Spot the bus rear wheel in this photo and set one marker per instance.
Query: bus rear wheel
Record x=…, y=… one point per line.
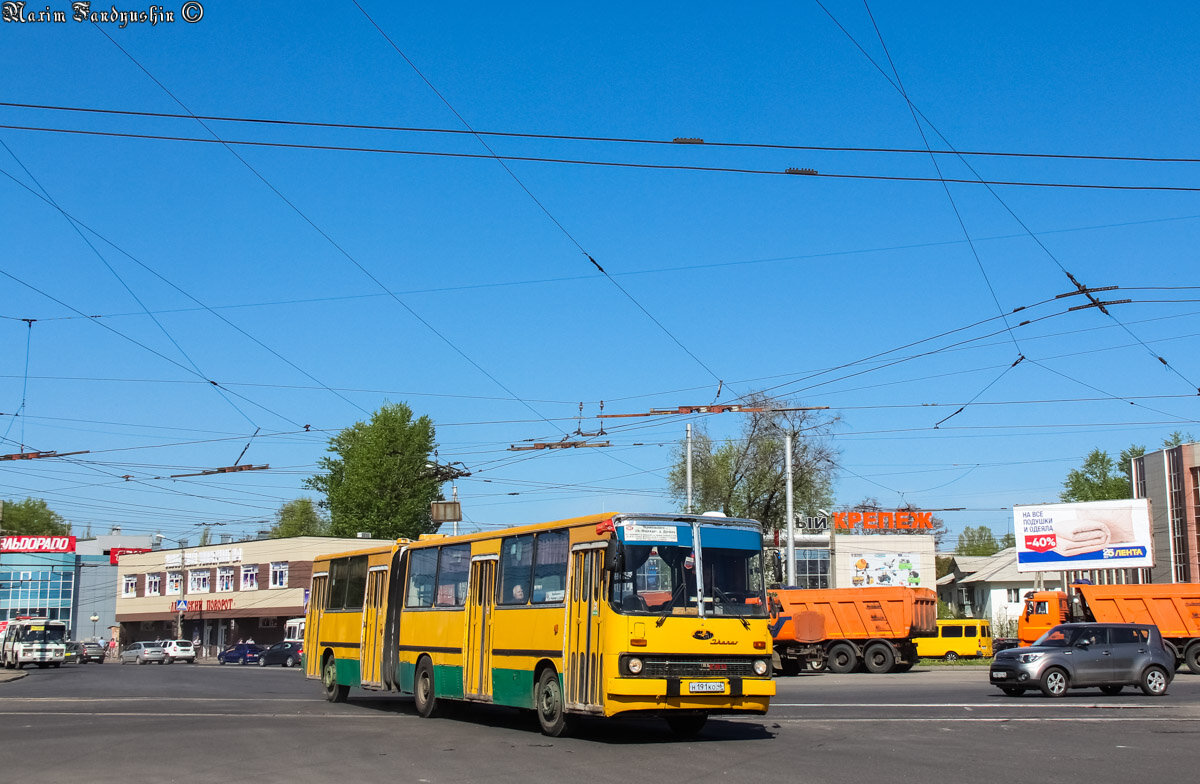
x=548, y=704
x=687, y=725
x=424, y=695
x=334, y=691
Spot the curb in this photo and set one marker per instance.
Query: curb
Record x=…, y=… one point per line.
x=5, y=677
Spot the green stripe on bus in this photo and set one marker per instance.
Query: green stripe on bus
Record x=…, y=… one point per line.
x=513, y=687
x=348, y=672
x=448, y=680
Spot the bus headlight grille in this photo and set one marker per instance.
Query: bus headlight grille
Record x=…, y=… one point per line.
x=698, y=667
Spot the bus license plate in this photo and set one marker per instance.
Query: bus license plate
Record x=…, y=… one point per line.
x=706, y=687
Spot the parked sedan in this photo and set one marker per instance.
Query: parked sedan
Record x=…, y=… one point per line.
x=91, y=652
x=285, y=653
x=143, y=653
x=1109, y=656
x=242, y=653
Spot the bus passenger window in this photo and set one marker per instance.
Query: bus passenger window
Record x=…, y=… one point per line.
x=422, y=567
x=516, y=568
x=550, y=567
x=452, y=575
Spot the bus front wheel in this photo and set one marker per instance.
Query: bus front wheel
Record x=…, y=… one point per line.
x=334, y=691
x=548, y=703
x=424, y=694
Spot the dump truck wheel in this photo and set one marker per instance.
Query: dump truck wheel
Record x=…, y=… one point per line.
x=879, y=657
x=1192, y=657
x=842, y=658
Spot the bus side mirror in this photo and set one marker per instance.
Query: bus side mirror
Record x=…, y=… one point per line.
x=614, y=556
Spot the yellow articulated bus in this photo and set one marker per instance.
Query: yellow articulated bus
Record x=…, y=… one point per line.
x=608, y=615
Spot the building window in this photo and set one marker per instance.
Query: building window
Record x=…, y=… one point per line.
x=224, y=579
x=1014, y=595
x=1175, y=515
x=268, y=623
x=174, y=583
x=812, y=568
x=279, y=574
x=250, y=577
x=153, y=584
x=129, y=585
x=198, y=581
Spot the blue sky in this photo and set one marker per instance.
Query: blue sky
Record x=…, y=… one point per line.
x=497, y=325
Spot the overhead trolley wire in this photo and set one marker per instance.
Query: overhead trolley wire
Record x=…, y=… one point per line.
x=501, y=160
x=603, y=139
x=957, y=214
x=1081, y=288
x=613, y=164
x=325, y=235
x=125, y=285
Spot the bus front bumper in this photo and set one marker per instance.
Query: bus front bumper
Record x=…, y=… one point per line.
x=736, y=695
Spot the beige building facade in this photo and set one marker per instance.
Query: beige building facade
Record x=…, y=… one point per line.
x=221, y=594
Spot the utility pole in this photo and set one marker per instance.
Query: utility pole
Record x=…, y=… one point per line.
x=791, y=526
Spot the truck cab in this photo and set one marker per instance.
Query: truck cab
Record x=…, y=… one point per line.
x=1043, y=611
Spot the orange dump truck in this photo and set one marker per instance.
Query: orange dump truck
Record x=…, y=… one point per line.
x=839, y=628
x=1173, y=608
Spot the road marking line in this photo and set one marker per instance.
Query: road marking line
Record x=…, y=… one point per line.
x=1015, y=706
x=162, y=699
x=993, y=720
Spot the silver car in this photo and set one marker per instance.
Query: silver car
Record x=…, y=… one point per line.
x=143, y=653
x=1110, y=656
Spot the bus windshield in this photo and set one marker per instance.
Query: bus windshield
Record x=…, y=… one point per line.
x=661, y=579
x=40, y=633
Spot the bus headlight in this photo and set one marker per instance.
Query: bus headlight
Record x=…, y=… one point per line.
x=760, y=667
x=634, y=665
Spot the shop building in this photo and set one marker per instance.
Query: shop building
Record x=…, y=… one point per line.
x=64, y=578
x=865, y=549
x=223, y=593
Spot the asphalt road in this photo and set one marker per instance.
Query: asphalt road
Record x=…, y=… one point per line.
x=112, y=723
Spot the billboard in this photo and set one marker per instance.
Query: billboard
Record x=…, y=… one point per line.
x=37, y=544
x=873, y=560
x=1090, y=535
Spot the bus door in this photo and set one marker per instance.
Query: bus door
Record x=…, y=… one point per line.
x=372, y=629
x=583, y=678
x=480, y=606
x=312, y=631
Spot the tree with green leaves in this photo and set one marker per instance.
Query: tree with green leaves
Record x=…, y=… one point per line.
x=1177, y=438
x=1009, y=539
x=378, y=479
x=299, y=518
x=977, y=541
x=745, y=476
x=31, y=517
x=1098, y=479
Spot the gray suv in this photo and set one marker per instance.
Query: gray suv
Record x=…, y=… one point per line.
x=1081, y=655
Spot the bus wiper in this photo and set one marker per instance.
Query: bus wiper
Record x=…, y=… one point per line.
x=679, y=592
x=725, y=600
